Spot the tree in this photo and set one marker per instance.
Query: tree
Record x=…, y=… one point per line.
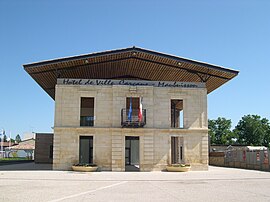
x=266, y=139
x=253, y=130
x=220, y=131
x=18, y=138
x=5, y=138
x=12, y=140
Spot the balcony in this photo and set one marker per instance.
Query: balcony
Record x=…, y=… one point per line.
x=87, y=121
x=132, y=121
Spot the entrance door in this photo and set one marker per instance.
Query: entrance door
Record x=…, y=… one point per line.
x=132, y=154
x=86, y=149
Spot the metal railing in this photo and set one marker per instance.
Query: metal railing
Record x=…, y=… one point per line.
x=132, y=119
x=87, y=121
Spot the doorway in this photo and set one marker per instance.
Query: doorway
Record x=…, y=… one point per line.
x=86, y=149
x=177, y=152
x=132, y=153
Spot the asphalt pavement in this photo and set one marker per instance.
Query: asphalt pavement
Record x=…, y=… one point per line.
x=217, y=184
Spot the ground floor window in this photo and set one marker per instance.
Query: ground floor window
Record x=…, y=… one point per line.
x=177, y=150
x=86, y=149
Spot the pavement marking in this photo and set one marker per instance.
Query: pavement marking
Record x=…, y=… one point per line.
x=87, y=192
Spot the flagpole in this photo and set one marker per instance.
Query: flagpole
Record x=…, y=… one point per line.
x=2, y=143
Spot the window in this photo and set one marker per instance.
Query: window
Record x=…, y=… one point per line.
x=133, y=115
x=177, y=150
x=132, y=109
x=87, y=111
x=86, y=149
x=177, y=116
x=134, y=101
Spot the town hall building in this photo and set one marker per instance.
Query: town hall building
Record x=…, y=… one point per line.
x=129, y=109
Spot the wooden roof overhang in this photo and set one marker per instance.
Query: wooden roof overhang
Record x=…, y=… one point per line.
x=129, y=63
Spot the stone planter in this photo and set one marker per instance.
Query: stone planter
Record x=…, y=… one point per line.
x=178, y=168
x=84, y=168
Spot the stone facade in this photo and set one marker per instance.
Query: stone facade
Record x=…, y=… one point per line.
x=109, y=136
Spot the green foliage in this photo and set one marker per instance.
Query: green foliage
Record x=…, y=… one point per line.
x=220, y=131
x=85, y=165
x=250, y=130
x=5, y=139
x=18, y=138
x=253, y=130
x=14, y=159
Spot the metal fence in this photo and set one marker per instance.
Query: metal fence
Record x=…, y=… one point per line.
x=250, y=159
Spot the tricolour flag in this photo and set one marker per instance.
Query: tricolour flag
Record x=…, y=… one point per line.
x=140, y=110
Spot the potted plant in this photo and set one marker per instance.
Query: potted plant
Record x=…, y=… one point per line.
x=84, y=167
x=178, y=167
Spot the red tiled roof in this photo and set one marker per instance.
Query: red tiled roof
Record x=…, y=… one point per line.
x=6, y=144
x=25, y=145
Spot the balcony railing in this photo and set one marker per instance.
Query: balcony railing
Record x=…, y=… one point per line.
x=87, y=121
x=132, y=119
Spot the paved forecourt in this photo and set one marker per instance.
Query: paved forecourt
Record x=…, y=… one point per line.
x=217, y=184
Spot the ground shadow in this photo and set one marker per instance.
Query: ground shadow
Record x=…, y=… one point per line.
x=132, y=168
x=25, y=166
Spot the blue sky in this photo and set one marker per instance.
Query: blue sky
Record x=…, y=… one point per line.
x=233, y=34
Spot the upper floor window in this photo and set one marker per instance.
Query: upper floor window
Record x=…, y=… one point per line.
x=133, y=115
x=87, y=111
x=133, y=103
x=177, y=117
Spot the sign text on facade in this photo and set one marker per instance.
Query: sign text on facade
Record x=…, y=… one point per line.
x=109, y=82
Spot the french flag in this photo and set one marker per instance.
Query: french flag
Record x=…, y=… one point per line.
x=140, y=110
